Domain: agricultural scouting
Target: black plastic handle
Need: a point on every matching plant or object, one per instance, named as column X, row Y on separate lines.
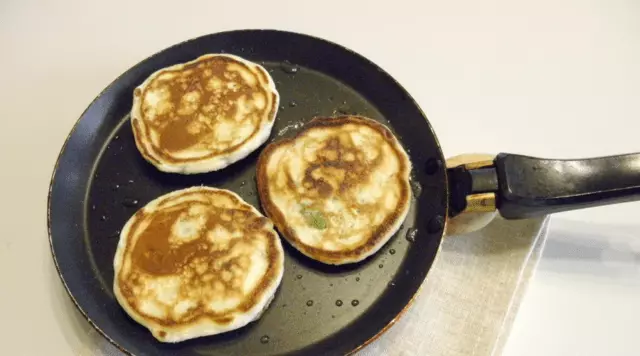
column 529, row 186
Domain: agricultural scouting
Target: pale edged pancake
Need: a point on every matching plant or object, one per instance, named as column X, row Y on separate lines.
column 203, row 115
column 338, row 190
column 196, row 262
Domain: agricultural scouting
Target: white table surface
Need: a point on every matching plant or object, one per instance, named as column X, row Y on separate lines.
column 557, row 78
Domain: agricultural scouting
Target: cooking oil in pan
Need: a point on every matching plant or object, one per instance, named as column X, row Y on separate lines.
column 411, row 234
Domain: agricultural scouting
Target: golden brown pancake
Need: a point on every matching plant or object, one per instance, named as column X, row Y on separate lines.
column 203, row 115
column 338, row 190
column 196, row 262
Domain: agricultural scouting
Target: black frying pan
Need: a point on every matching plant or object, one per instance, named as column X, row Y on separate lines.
column 100, row 180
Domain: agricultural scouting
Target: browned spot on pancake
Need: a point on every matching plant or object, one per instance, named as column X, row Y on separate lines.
column 137, row 92
column 323, row 188
column 343, row 168
column 224, row 321
column 179, row 137
column 257, row 223
column 162, row 334
column 205, row 265
column 197, row 101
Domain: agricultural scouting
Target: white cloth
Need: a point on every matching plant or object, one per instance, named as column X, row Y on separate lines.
column 467, row 304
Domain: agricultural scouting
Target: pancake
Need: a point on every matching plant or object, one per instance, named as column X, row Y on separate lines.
column 203, row 115
column 196, row 262
column 338, row 190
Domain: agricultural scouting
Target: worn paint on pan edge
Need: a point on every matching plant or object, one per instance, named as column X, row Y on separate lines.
column 55, row 170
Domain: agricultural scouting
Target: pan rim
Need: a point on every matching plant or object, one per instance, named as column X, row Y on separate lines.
column 410, row 98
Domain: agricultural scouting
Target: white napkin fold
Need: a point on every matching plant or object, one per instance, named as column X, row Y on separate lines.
column 469, row 300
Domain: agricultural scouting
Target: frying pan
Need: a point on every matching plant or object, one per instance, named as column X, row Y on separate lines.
column 100, row 180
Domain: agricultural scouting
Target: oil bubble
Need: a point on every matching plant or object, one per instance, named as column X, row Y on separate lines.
column 289, row 68
column 130, row 203
column 411, row 234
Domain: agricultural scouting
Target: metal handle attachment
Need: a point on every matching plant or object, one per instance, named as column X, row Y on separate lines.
column 522, row 187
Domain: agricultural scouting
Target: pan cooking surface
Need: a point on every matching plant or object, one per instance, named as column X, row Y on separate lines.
column 101, row 180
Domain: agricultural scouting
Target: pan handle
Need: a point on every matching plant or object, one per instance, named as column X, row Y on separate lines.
column 523, row 187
